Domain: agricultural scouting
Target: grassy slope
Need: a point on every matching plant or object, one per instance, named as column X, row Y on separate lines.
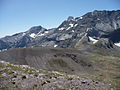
column 107, row 70
column 106, row 62
column 100, row 64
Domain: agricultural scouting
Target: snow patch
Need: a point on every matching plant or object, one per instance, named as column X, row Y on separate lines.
column 68, row 28
column 75, row 25
column 117, row 44
column 3, row 50
column 32, row 35
column 62, row 28
column 23, row 34
column 73, row 31
column 42, row 34
column 71, row 25
column 55, row 45
column 46, row 32
column 93, row 40
column 81, row 17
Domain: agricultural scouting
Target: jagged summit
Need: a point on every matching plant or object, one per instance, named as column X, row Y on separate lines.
column 35, row 29
column 70, row 18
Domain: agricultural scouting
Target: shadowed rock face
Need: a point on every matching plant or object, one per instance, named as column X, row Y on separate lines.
column 3, row 45
column 115, row 36
column 108, row 40
column 65, row 60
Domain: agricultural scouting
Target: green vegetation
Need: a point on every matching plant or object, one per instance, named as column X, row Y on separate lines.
column 107, row 69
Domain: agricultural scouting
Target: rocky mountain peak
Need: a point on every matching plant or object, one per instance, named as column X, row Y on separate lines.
column 36, row 29
column 70, row 18
column 71, row 33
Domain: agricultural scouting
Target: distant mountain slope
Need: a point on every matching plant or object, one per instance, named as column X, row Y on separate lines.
column 49, row 59
column 72, row 33
column 101, row 65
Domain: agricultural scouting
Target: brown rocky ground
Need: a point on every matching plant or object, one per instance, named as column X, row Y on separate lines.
column 22, row 77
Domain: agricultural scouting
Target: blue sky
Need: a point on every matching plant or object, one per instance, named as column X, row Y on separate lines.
column 20, row 15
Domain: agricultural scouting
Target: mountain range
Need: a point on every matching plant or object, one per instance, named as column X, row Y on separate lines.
column 72, row 33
